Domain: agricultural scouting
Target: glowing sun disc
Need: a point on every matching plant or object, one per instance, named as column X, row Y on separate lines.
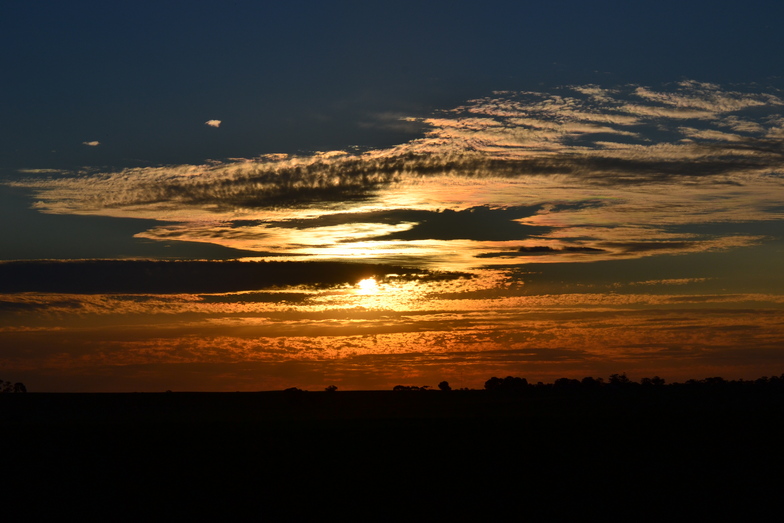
column 368, row 286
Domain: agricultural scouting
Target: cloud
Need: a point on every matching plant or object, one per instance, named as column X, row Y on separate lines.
column 94, row 143
column 670, row 281
column 128, row 276
column 391, row 121
column 476, row 338
column 603, row 172
column 544, row 249
column 38, row 171
column 516, row 187
column 213, row 123
column 625, row 135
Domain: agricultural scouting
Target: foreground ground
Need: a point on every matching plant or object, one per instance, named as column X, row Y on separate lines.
column 465, row 455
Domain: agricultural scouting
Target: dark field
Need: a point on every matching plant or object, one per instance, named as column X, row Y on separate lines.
column 412, row 455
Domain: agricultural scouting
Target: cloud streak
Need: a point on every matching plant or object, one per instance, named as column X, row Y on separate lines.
column 132, row 276
column 600, row 171
column 460, row 338
column 576, row 133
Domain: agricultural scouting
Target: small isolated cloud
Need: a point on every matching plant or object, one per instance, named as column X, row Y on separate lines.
column 94, row 143
column 672, row 281
column 213, row 123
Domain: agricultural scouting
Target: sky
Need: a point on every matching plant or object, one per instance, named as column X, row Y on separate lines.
column 237, row 196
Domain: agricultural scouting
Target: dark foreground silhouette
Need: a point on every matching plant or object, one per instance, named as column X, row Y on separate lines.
column 642, row 452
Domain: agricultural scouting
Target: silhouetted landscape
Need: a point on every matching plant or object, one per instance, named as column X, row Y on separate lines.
column 567, row 447
column 350, row 238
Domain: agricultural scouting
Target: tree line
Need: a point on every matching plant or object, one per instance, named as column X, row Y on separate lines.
column 616, row 382
column 7, row 386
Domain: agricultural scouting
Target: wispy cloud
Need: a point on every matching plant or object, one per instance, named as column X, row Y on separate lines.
column 94, row 143
column 670, row 281
column 213, row 123
column 603, row 171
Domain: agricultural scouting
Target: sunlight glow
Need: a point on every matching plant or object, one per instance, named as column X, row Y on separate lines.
column 367, row 286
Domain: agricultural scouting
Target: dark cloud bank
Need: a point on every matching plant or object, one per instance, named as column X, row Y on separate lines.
column 126, row 276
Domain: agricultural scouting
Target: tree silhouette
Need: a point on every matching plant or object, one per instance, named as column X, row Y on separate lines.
column 591, row 383
column 566, row 384
column 652, row 382
column 508, row 384
column 7, row 386
column 444, row 385
column 620, row 380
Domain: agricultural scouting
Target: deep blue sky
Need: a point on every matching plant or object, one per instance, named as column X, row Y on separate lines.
column 142, row 77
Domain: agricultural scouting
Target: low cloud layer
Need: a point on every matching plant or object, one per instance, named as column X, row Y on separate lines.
column 409, row 330
column 171, row 277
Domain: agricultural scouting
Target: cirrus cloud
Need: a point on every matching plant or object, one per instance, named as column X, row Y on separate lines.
column 603, row 171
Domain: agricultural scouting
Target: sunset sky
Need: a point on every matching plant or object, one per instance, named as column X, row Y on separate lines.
column 458, row 190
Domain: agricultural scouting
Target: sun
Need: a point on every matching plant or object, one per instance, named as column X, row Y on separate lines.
column 367, row 286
